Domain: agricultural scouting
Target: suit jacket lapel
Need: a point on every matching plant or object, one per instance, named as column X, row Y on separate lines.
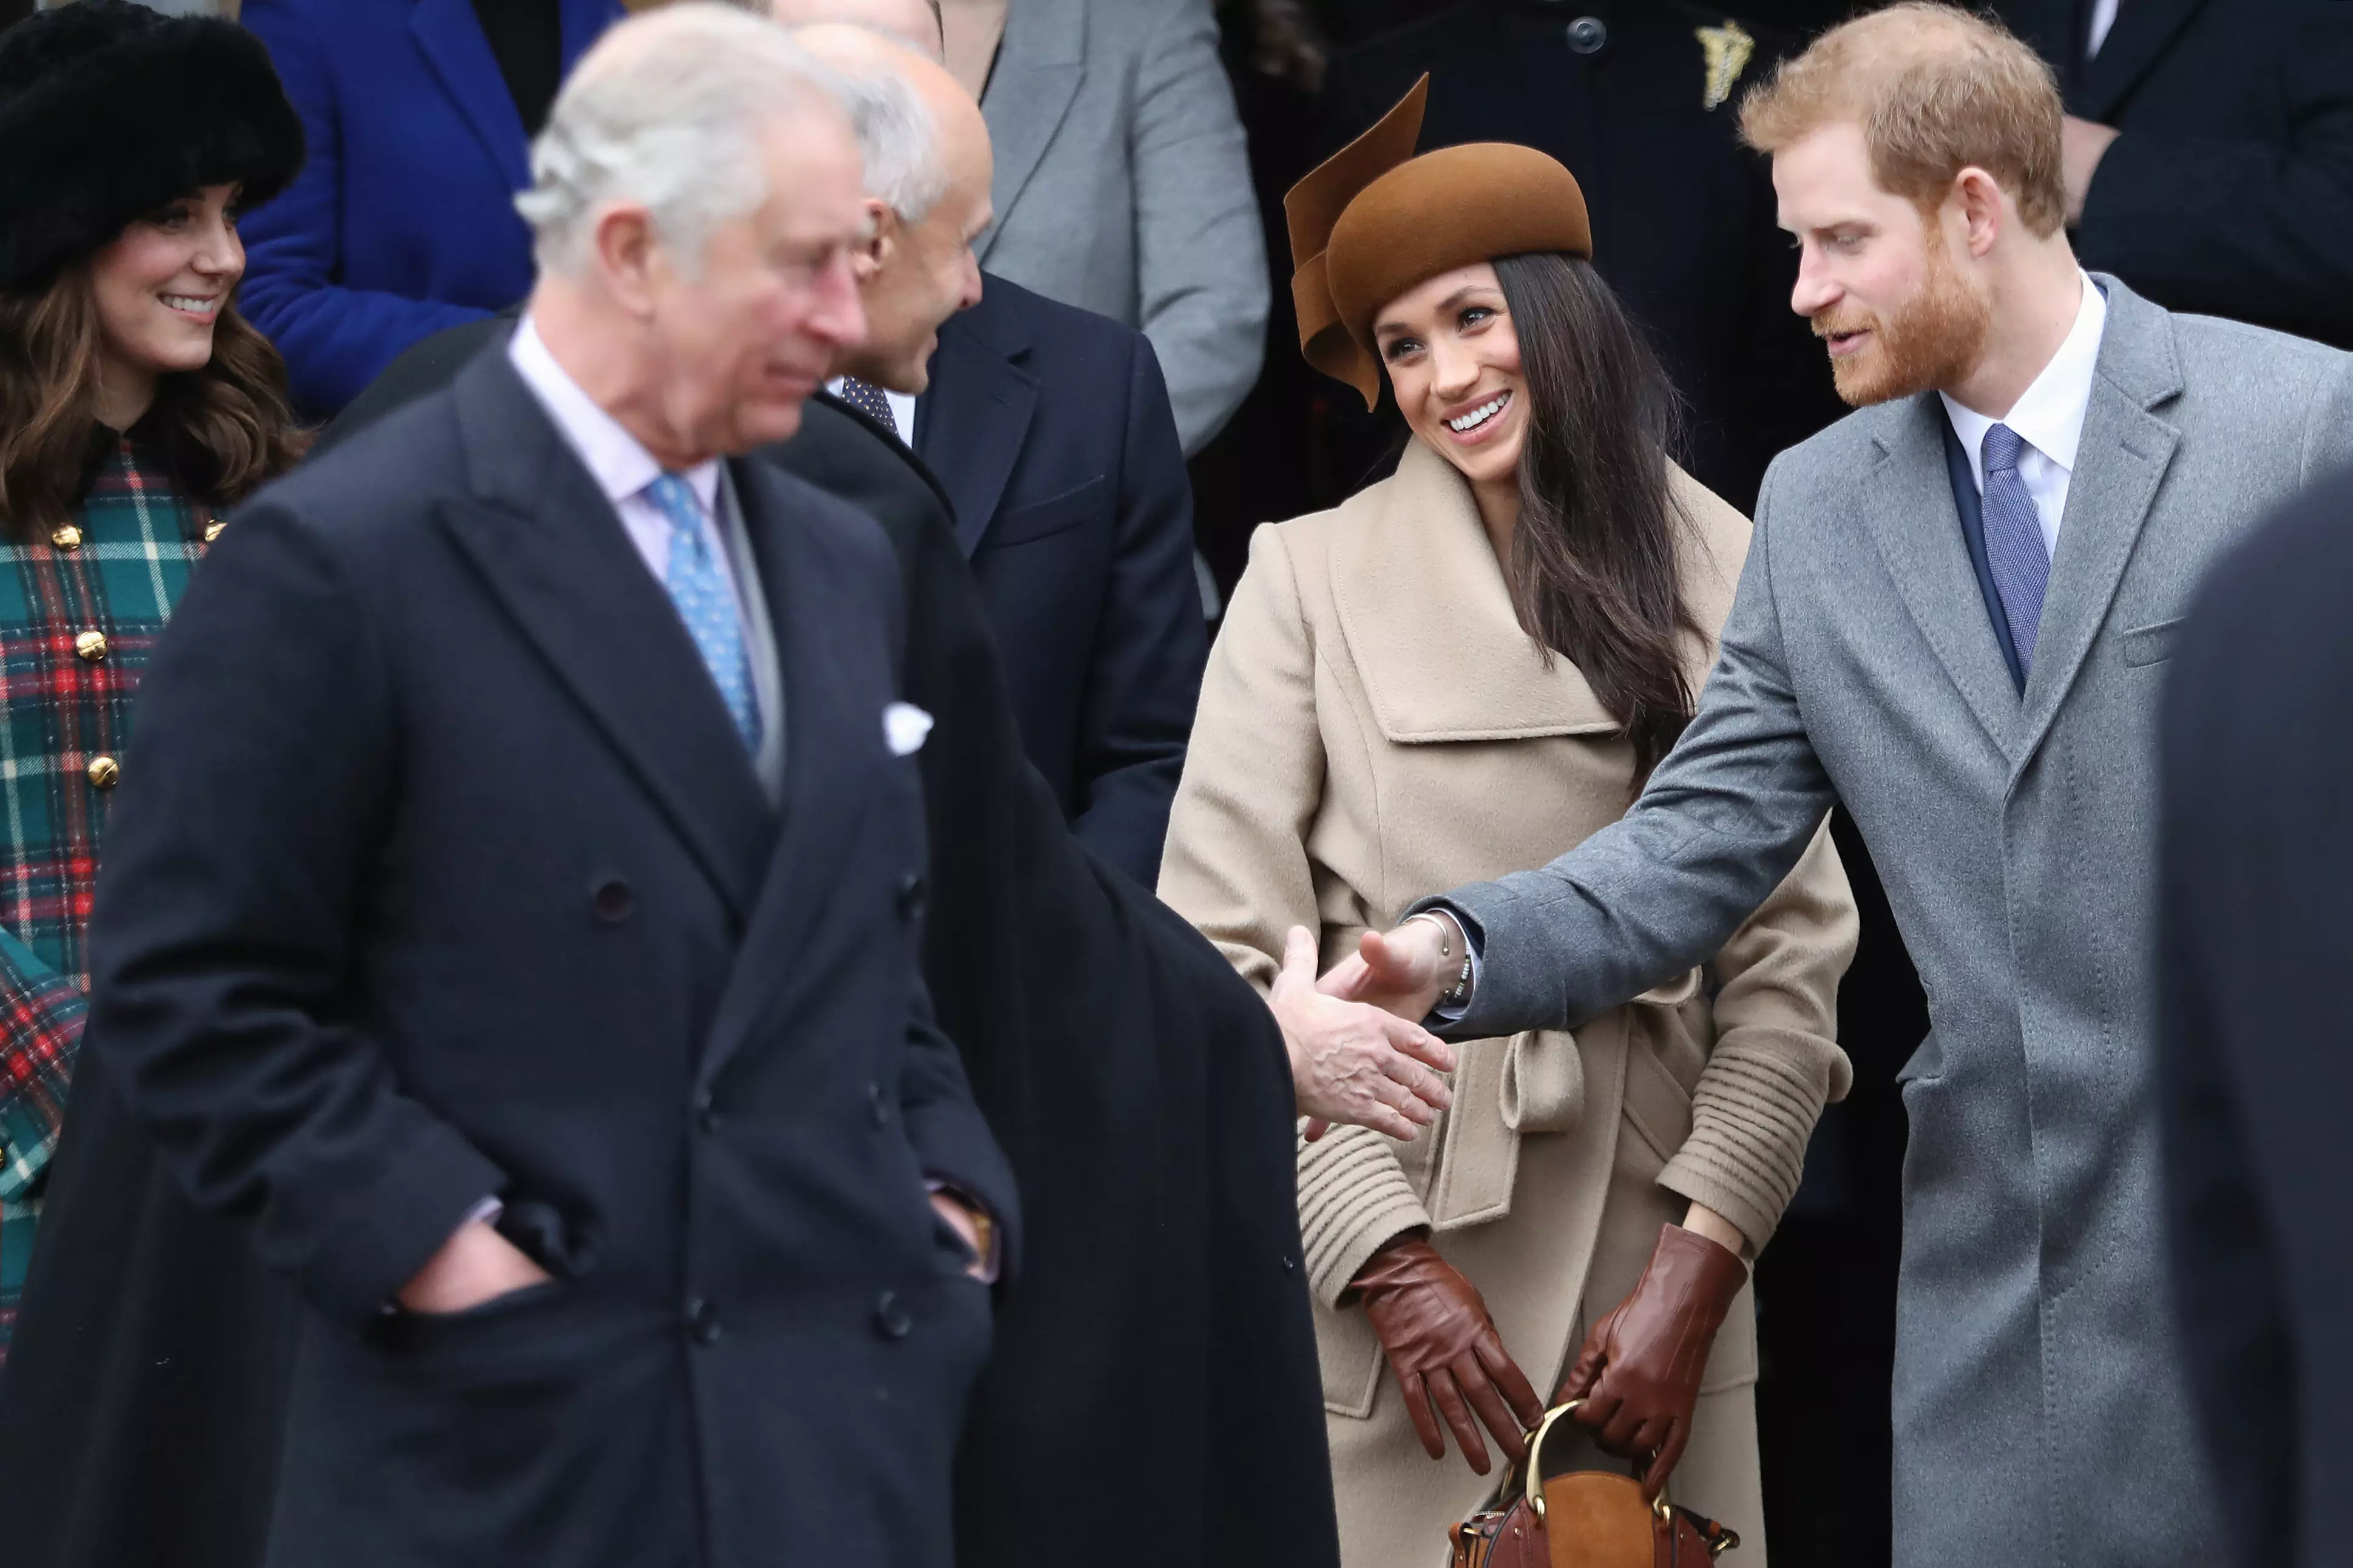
column 969, row 426
column 551, row 549
column 1039, row 65
column 2143, row 30
column 452, row 40
column 2119, row 463
column 1909, row 507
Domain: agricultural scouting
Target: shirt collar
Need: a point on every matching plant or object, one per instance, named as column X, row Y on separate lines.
column 2049, row 416
column 615, row 458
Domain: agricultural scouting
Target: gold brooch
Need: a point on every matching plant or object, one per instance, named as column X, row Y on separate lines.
column 1727, row 49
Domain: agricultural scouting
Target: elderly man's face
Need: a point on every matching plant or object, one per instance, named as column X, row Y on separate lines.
column 742, row 345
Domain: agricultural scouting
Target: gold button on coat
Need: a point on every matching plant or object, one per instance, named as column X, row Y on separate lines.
column 104, row 770
column 66, row 536
column 91, row 646
column 213, row 531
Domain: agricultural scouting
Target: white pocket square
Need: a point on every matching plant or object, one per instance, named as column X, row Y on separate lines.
column 905, row 726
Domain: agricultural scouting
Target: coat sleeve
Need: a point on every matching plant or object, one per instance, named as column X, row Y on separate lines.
column 40, row 1028
column 2258, row 230
column 1201, row 280
column 335, row 340
column 1237, row 867
column 1144, row 673
column 223, row 941
column 1724, row 818
column 952, row 1140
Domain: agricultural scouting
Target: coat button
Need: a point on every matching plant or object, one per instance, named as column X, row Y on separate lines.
column 91, row 646
column 103, row 772
column 706, row 1112
column 912, row 893
column 213, row 531
column 613, row 900
column 703, row 1319
column 878, row 1105
column 890, row 1319
column 1587, row 35
column 66, row 536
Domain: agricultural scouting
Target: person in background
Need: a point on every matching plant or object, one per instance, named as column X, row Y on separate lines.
column 2208, row 151
column 419, row 115
column 2255, row 851
column 1519, row 617
column 136, row 405
column 1953, row 622
column 619, row 1241
column 1050, row 429
column 1642, row 103
column 1123, row 185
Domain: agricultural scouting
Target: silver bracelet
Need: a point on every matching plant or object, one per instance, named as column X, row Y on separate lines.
column 1445, row 930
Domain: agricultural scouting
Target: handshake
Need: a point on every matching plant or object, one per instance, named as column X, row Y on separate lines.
column 1359, row 1055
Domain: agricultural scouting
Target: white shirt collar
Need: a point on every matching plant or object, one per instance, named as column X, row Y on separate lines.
column 619, row 464
column 2049, row 416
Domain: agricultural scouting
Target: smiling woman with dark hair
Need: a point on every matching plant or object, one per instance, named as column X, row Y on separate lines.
column 1520, row 617
column 134, row 406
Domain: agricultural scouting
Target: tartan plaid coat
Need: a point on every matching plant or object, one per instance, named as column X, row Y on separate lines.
column 80, row 609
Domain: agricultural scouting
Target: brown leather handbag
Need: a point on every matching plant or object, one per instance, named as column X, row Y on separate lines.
column 1582, row 1519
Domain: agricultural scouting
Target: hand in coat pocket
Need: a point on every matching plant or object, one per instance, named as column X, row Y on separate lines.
column 474, row 1266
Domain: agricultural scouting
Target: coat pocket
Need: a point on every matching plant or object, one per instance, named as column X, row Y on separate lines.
column 1043, row 520
column 2151, row 644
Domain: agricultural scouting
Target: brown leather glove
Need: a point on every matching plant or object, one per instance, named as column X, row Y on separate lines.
column 1639, row 1373
column 1445, row 1352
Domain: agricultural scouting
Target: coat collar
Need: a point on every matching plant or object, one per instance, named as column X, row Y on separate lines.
column 2144, row 30
column 450, row 38
column 1428, row 622
column 972, row 421
column 1039, row 65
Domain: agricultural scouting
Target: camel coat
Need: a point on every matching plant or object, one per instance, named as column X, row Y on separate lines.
column 1375, row 726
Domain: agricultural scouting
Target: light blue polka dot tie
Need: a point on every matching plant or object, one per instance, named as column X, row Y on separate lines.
column 705, row 601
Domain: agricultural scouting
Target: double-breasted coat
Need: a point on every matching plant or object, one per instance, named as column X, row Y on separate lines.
column 1376, row 723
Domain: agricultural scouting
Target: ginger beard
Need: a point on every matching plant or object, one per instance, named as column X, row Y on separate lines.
column 1932, row 339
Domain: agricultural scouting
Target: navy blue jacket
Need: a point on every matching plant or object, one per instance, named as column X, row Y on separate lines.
column 1049, row 428
column 403, row 221
column 440, row 871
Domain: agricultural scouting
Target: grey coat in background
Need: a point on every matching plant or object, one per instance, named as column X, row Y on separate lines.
column 2040, row 1404
column 1124, row 187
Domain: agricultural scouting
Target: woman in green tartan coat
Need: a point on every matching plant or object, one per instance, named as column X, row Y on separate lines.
column 134, row 406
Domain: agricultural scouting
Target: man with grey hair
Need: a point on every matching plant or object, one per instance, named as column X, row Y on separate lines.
column 534, row 976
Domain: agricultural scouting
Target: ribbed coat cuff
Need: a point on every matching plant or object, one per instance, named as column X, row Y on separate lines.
column 1353, row 1197
column 1752, row 1116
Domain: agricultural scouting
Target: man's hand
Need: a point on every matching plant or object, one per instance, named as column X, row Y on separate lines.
column 960, row 1220
column 2082, row 144
column 474, row 1266
column 1353, row 1063
column 1404, row 972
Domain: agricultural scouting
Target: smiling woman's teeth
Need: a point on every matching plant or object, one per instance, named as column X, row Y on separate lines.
column 1479, row 415
column 192, row 304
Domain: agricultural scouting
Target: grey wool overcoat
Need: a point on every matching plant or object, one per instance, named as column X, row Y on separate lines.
column 2039, row 1403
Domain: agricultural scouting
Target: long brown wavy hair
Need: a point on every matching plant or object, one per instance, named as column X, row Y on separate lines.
column 1594, row 555
column 221, row 431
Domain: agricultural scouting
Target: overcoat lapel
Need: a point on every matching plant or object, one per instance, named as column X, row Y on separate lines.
column 1908, row 505
column 548, row 545
column 2120, row 461
column 1039, row 65
column 834, row 753
column 971, row 423
column 453, row 44
column 2143, row 31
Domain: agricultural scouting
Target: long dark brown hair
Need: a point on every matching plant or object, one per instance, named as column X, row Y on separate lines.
column 1595, row 554
column 221, row 431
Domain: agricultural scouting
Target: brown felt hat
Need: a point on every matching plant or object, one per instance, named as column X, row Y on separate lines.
column 1372, row 220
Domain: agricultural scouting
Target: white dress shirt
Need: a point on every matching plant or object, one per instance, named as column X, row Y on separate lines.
column 2104, row 18
column 903, row 408
column 2048, row 416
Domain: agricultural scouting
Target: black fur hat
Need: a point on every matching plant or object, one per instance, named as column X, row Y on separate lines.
column 109, row 111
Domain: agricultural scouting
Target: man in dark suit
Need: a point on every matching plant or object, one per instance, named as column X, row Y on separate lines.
column 536, row 973
column 2209, row 150
column 2253, row 1074
column 1639, row 103
column 1050, row 427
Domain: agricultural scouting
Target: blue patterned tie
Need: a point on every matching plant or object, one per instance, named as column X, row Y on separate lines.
column 705, row 603
column 2013, row 540
column 871, row 401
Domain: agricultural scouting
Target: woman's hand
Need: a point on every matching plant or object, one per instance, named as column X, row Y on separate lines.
column 1450, row 1362
column 1351, row 1062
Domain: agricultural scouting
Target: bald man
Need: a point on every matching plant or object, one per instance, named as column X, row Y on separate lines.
column 1049, row 428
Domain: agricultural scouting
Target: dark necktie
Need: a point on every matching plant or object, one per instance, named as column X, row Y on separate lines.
column 2013, row 540
column 868, row 400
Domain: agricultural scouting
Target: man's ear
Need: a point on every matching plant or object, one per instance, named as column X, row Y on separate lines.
column 627, row 255
column 877, row 245
column 1978, row 197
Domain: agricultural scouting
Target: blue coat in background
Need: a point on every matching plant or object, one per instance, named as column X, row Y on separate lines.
column 403, row 221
